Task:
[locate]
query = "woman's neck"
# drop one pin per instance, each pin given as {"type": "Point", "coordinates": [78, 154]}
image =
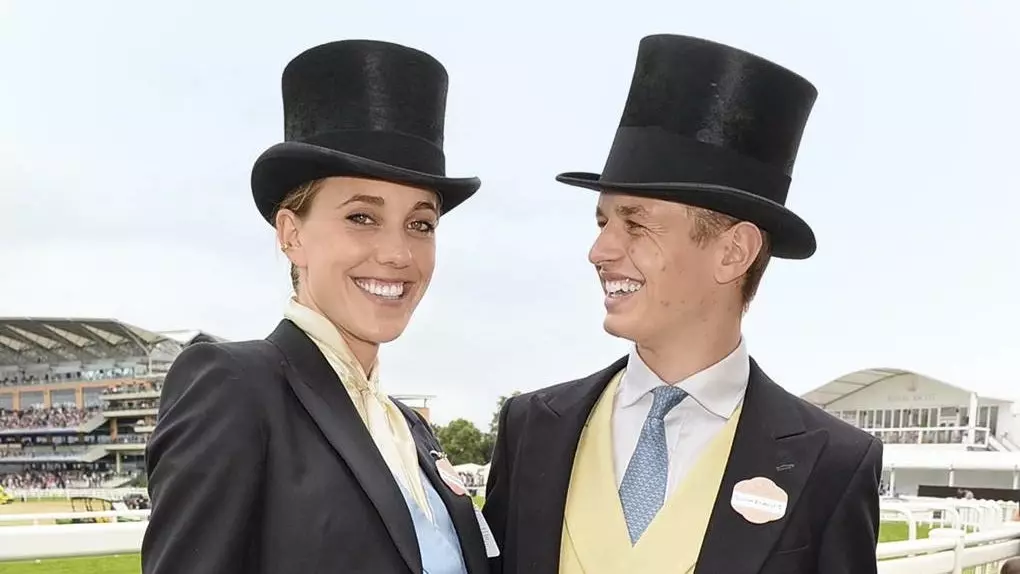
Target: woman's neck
{"type": "Point", "coordinates": [365, 352]}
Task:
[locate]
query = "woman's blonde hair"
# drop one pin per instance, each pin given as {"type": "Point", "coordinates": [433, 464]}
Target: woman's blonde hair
{"type": "Point", "coordinates": [299, 201]}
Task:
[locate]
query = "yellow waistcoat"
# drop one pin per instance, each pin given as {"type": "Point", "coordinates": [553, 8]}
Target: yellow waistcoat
{"type": "Point", "coordinates": [595, 539]}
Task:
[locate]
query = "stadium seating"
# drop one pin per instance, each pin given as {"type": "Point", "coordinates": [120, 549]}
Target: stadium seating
{"type": "Point", "coordinates": [42, 418]}
{"type": "Point", "coordinates": [55, 479]}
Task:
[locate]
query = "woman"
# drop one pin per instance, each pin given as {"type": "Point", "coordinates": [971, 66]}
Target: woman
{"type": "Point", "coordinates": [283, 456]}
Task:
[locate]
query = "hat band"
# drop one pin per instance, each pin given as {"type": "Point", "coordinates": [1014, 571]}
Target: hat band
{"type": "Point", "coordinates": [393, 148]}
{"type": "Point", "coordinates": [653, 155]}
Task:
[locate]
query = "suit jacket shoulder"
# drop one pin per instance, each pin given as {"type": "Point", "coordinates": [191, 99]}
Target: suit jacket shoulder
{"type": "Point", "coordinates": [562, 396]}
{"type": "Point", "coordinates": [846, 441]}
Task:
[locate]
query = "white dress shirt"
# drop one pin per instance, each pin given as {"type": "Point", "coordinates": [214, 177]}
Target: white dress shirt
{"type": "Point", "coordinates": [714, 395]}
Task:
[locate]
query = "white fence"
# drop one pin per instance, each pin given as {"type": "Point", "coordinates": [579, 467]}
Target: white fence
{"type": "Point", "coordinates": [68, 493]}
{"type": "Point", "coordinates": [966, 534]}
{"type": "Point", "coordinates": [68, 540]}
{"type": "Point", "coordinates": [960, 514]}
{"type": "Point", "coordinates": [978, 534]}
{"type": "Point", "coordinates": [948, 551]}
{"type": "Point", "coordinates": [47, 518]}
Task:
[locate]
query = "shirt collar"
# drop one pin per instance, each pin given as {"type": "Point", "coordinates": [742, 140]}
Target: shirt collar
{"type": "Point", "coordinates": [719, 389]}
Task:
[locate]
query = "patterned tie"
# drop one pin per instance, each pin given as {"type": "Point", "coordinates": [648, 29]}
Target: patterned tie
{"type": "Point", "coordinates": [643, 489]}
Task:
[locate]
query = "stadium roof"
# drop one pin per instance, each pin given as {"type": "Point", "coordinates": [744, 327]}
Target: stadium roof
{"type": "Point", "coordinates": [25, 340]}
{"type": "Point", "coordinates": [859, 380]}
{"type": "Point", "coordinates": [189, 336]}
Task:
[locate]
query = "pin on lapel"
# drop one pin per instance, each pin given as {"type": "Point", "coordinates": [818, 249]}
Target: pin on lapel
{"type": "Point", "coordinates": [759, 500]}
{"type": "Point", "coordinates": [448, 474]}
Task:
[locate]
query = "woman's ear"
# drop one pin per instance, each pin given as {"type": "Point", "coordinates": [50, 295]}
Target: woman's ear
{"type": "Point", "coordinates": [288, 234]}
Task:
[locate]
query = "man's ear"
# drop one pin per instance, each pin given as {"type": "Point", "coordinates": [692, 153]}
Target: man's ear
{"type": "Point", "coordinates": [739, 247]}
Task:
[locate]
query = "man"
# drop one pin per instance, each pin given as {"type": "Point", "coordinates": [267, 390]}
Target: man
{"type": "Point", "coordinates": [684, 456]}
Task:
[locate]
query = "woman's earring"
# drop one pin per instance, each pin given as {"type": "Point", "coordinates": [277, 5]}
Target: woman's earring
{"type": "Point", "coordinates": [285, 247]}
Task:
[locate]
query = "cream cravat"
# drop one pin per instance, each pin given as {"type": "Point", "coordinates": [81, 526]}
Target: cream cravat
{"type": "Point", "coordinates": [384, 420]}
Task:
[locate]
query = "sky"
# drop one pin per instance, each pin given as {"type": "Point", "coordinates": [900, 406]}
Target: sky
{"type": "Point", "coordinates": [128, 132]}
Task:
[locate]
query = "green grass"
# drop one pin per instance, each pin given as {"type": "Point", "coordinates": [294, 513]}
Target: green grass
{"type": "Point", "coordinates": [896, 531]}
{"type": "Point", "coordinates": [129, 564]}
{"type": "Point", "coordinates": [889, 532]}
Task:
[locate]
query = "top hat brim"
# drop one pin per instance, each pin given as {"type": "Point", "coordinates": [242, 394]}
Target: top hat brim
{"type": "Point", "coordinates": [285, 166]}
{"type": "Point", "coordinates": [791, 236]}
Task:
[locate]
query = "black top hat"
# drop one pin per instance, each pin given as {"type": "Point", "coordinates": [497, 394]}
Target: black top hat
{"type": "Point", "coordinates": [360, 108]}
{"type": "Point", "coordinates": [714, 127]}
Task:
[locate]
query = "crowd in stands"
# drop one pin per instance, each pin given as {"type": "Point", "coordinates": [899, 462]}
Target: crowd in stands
{"type": "Point", "coordinates": [133, 405]}
{"type": "Point", "coordinates": [15, 378]}
{"type": "Point", "coordinates": [56, 479]}
{"type": "Point", "coordinates": [49, 452]}
{"type": "Point", "coordinates": [40, 418]}
{"type": "Point", "coordinates": [134, 387]}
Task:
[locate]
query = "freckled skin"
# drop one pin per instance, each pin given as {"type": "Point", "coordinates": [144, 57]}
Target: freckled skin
{"type": "Point", "coordinates": [686, 285]}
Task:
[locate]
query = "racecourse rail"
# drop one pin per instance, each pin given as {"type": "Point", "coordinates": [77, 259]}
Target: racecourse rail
{"type": "Point", "coordinates": [964, 535]}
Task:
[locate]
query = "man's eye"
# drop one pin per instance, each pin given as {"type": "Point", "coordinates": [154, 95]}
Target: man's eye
{"type": "Point", "coordinates": [423, 227]}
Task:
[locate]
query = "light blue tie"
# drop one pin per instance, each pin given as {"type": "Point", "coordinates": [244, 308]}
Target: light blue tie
{"type": "Point", "coordinates": [643, 489]}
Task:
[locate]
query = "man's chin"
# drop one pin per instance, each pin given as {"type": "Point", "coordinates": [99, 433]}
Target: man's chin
{"type": "Point", "coordinates": [618, 328]}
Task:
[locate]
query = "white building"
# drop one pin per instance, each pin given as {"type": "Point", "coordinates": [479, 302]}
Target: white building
{"type": "Point", "coordinates": [934, 433]}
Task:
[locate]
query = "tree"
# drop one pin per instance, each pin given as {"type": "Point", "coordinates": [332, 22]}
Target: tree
{"type": "Point", "coordinates": [494, 425]}
{"type": "Point", "coordinates": [489, 440]}
{"type": "Point", "coordinates": [463, 442]}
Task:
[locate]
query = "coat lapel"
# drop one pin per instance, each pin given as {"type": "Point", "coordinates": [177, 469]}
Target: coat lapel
{"type": "Point", "coordinates": [462, 512]}
{"type": "Point", "coordinates": [461, 508]}
{"type": "Point", "coordinates": [322, 394]}
{"type": "Point", "coordinates": [553, 428]}
{"type": "Point", "coordinates": [771, 441]}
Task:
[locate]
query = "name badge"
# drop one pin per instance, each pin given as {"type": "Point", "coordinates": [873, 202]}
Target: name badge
{"type": "Point", "coordinates": [759, 500]}
{"type": "Point", "coordinates": [448, 474]}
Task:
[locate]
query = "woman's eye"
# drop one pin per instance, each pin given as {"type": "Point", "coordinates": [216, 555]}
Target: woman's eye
{"type": "Point", "coordinates": [360, 219]}
{"type": "Point", "coordinates": [631, 226]}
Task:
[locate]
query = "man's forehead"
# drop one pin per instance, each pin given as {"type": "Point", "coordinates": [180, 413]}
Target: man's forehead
{"type": "Point", "coordinates": [630, 205]}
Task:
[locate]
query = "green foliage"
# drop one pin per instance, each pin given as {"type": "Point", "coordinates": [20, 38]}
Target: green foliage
{"type": "Point", "coordinates": [464, 443]}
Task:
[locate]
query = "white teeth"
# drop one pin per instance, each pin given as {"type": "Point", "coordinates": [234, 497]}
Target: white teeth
{"type": "Point", "coordinates": [624, 286]}
{"type": "Point", "coordinates": [381, 288]}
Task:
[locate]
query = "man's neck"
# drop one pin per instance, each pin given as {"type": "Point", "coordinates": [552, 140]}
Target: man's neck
{"type": "Point", "coordinates": [681, 355]}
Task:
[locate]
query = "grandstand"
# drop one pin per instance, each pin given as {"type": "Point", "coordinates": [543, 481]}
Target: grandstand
{"type": "Point", "coordinates": [940, 439]}
{"type": "Point", "coordinates": [78, 398]}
